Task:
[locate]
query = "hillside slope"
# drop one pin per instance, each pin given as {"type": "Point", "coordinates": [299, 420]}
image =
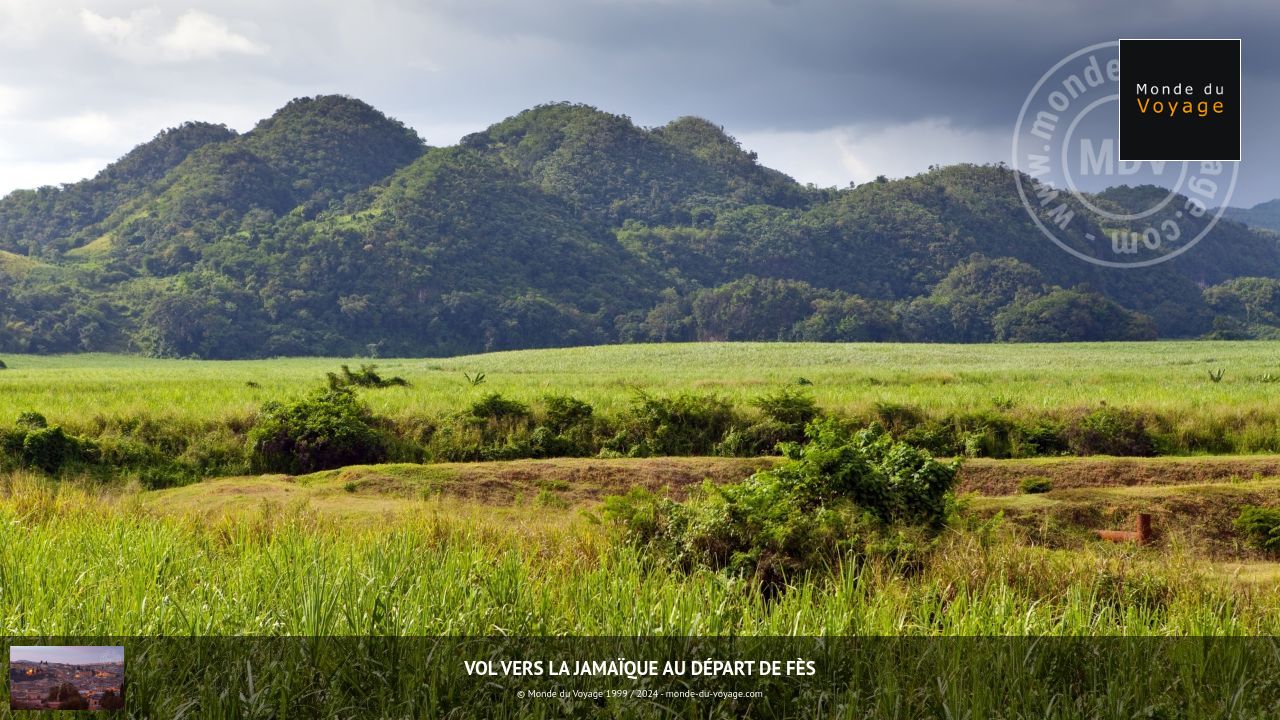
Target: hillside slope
{"type": "Point", "coordinates": [1264, 215]}
{"type": "Point", "coordinates": [330, 228]}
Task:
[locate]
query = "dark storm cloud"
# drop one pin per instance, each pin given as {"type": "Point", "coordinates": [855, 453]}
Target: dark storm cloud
{"type": "Point", "coordinates": [86, 80]}
{"type": "Point", "coordinates": [811, 65]}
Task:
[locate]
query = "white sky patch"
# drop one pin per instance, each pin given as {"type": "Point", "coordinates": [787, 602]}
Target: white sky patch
{"type": "Point", "coordinates": [112, 29]}
{"type": "Point", "coordinates": [31, 175]}
{"type": "Point", "coordinates": [24, 25]}
{"type": "Point", "coordinates": [858, 153]}
{"type": "Point", "coordinates": [200, 36]}
{"type": "Point", "coordinates": [144, 36]}
{"type": "Point", "coordinates": [442, 134]}
{"type": "Point", "coordinates": [90, 128]}
{"type": "Point", "coordinates": [12, 100]}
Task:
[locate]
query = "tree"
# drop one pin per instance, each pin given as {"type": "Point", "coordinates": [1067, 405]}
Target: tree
{"type": "Point", "coordinates": [1071, 315]}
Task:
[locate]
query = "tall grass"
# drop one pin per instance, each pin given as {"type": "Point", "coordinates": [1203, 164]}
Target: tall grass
{"type": "Point", "coordinates": [198, 411]}
{"type": "Point", "coordinates": [1165, 376]}
{"type": "Point", "coordinates": [76, 562]}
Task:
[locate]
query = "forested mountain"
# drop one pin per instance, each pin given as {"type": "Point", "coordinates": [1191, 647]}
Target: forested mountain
{"type": "Point", "coordinates": [1263, 215]}
{"type": "Point", "coordinates": [331, 229]}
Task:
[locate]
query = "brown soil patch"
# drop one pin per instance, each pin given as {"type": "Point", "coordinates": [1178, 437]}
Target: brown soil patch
{"type": "Point", "coordinates": [590, 480]}
{"type": "Point", "coordinates": [1001, 477]}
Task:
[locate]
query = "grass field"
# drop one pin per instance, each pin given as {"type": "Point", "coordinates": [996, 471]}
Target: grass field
{"type": "Point", "coordinates": [519, 547]}
{"type": "Point", "coordinates": [375, 561]}
{"type": "Point", "coordinates": [455, 579]}
{"type": "Point", "coordinates": [1171, 377]}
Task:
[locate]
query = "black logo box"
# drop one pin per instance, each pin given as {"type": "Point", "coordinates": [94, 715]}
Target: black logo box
{"type": "Point", "coordinates": [1180, 62]}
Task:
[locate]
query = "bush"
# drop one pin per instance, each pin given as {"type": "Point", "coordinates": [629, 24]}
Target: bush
{"type": "Point", "coordinates": [48, 448]}
{"type": "Point", "coordinates": [34, 443]}
{"type": "Point", "coordinates": [1035, 484]}
{"type": "Point", "coordinates": [789, 407]}
{"type": "Point", "coordinates": [541, 442]}
{"type": "Point", "coordinates": [32, 420]}
{"type": "Point", "coordinates": [366, 377]}
{"type": "Point", "coordinates": [1043, 436]}
{"type": "Point", "coordinates": [838, 493]}
{"type": "Point", "coordinates": [3, 366]}
{"type": "Point", "coordinates": [984, 434]}
{"type": "Point", "coordinates": [898, 417]}
{"type": "Point", "coordinates": [328, 429]}
{"type": "Point", "coordinates": [786, 413]}
{"type": "Point", "coordinates": [761, 438]}
{"type": "Point", "coordinates": [1109, 431]}
{"type": "Point", "coordinates": [684, 424]}
{"type": "Point", "coordinates": [154, 467]}
{"type": "Point", "coordinates": [565, 413]}
{"type": "Point", "coordinates": [495, 407]}
{"type": "Point", "coordinates": [495, 428]}
{"type": "Point", "coordinates": [11, 446]}
{"type": "Point", "coordinates": [1260, 527]}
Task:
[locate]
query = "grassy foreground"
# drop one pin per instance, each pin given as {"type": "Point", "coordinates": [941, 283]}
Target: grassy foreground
{"type": "Point", "coordinates": [75, 561]}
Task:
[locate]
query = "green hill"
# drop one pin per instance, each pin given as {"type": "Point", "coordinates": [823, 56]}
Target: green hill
{"type": "Point", "coordinates": [330, 228]}
{"type": "Point", "coordinates": [31, 220]}
{"type": "Point", "coordinates": [1263, 215]}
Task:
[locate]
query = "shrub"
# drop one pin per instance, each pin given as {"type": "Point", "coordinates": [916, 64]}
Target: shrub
{"type": "Point", "coordinates": [760, 438]}
{"type": "Point", "coordinates": [32, 420]}
{"type": "Point", "coordinates": [1035, 484]}
{"type": "Point", "coordinates": [496, 428]}
{"type": "Point", "coordinates": [1109, 431]}
{"type": "Point", "coordinates": [898, 417]}
{"type": "Point", "coordinates": [3, 366]}
{"type": "Point", "coordinates": [11, 446]}
{"type": "Point", "coordinates": [366, 376]}
{"type": "Point", "coordinates": [495, 407]}
{"type": "Point", "coordinates": [1043, 436]}
{"type": "Point", "coordinates": [984, 434]}
{"type": "Point", "coordinates": [837, 493]}
{"type": "Point", "coordinates": [492, 428]}
{"type": "Point", "coordinates": [1260, 527]}
{"type": "Point", "coordinates": [565, 413]}
{"type": "Point", "coordinates": [328, 429]}
{"type": "Point", "coordinates": [146, 461]}
{"type": "Point", "coordinates": [936, 436]}
{"type": "Point", "coordinates": [49, 448]}
{"type": "Point", "coordinates": [684, 424]}
{"type": "Point", "coordinates": [788, 406]}
{"type": "Point", "coordinates": [35, 443]}
{"type": "Point", "coordinates": [785, 415]}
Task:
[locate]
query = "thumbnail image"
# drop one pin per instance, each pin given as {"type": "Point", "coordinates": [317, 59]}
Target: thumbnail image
{"type": "Point", "coordinates": [66, 677]}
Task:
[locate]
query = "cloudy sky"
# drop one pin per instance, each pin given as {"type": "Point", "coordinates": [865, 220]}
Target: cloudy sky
{"type": "Point", "coordinates": [829, 91]}
{"type": "Point", "coordinates": [71, 654]}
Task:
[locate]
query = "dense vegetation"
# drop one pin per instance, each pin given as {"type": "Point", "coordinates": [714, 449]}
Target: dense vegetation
{"type": "Point", "coordinates": [166, 422]}
{"type": "Point", "coordinates": [331, 229]}
{"type": "Point", "coordinates": [839, 494]}
{"type": "Point", "coordinates": [1263, 215]}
